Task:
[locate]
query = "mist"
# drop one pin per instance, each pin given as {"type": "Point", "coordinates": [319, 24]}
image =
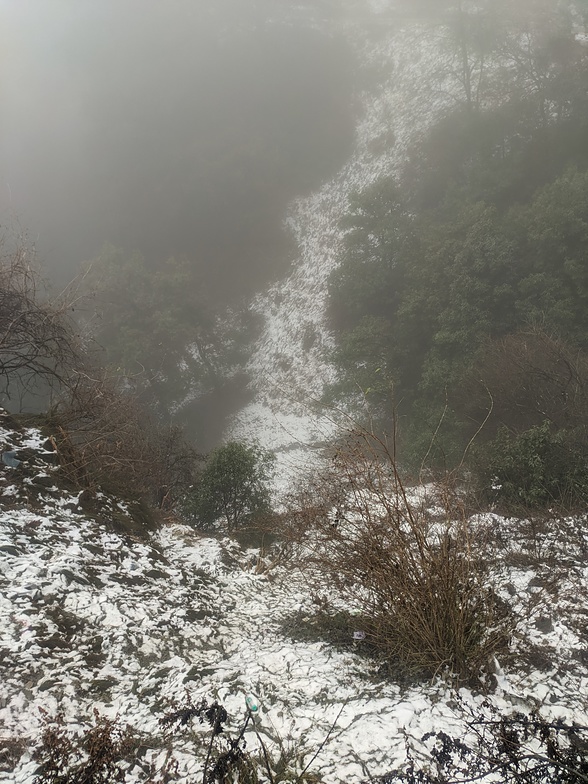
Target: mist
{"type": "Point", "coordinates": [177, 128]}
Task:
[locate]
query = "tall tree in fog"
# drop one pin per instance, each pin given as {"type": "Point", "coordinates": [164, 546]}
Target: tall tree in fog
{"type": "Point", "coordinates": [157, 329]}
{"type": "Point", "coordinates": [483, 234]}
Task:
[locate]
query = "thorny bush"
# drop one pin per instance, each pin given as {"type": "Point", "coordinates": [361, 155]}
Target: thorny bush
{"type": "Point", "coordinates": [110, 753]}
{"type": "Point", "coordinates": [97, 758]}
{"type": "Point", "coordinates": [106, 437]}
{"type": "Point", "coordinates": [413, 575]}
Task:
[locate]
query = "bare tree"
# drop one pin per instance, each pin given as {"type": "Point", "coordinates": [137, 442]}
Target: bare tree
{"type": "Point", "coordinates": [542, 61]}
{"type": "Point", "coordinates": [38, 344]}
{"type": "Point", "coordinates": [102, 435]}
{"type": "Point", "coordinates": [472, 39]}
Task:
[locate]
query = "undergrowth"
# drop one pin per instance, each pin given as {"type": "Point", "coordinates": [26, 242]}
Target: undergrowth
{"type": "Point", "coordinates": [109, 752]}
{"type": "Point", "coordinates": [514, 749]}
{"type": "Point", "coordinates": [414, 576]}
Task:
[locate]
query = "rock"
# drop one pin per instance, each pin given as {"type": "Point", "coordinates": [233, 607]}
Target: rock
{"type": "Point", "coordinates": [48, 684]}
{"type": "Point", "coordinates": [197, 673]}
{"type": "Point", "coordinates": [42, 480]}
{"type": "Point", "coordinates": [156, 574]}
{"type": "Point", "coordinates": [102, 685]}
{"type": "Point", "coordinates": [71, 577]}
{"type": "Point", "coordinates": [10, 549]}
{"type": "Point", "coordinates": [544, 624]}
{"type": "Point", "coordinates": [53, 642]}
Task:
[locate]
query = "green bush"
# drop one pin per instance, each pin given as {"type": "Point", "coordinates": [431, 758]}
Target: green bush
{"type": "Point", "coordinates": [234, 486]}
{"type": "Point", "coordinates": [537, 467]}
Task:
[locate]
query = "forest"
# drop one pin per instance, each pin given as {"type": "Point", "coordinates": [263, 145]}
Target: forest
{"type": "Point", "coordinates": [459, 305]}
{"type": "Point", "coordinates": [458, 302]}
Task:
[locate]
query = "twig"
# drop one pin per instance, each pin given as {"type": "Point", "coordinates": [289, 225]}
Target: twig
{"type": "Point", "coordinates": [263, 748]}
{"type": "Point", "coordinates": [320, 748]}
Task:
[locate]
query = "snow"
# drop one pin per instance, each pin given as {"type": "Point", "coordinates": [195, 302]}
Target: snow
{"type": "Point", "coordinates": [290, 367]}
{"type": "Point", "coordinates": [97, 619]}
{"type": "Point", "coordinates": [92, 618]}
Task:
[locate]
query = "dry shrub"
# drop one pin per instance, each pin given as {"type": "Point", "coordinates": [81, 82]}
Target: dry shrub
{"type": "Point", "coordinates": [108, 752]}
{"type": "Point", "coordinates": [412, 573]}
{"type": "Point", "coordinates": [531, 391]}
{"type": "Point", "coordinates": [98, 759]}
{"type": "Point", "coordinates": [526, 379]}
{"type": "Point", "coordinates": [515, 748]}
{"type": "Point", "coordinates": [107, 438]}
{"type": "Point", "coordinates": [103, 436]}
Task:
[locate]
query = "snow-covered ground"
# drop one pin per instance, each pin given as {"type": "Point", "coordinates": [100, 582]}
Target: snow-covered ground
{"type": "Point", "coordinates": [93, 618]}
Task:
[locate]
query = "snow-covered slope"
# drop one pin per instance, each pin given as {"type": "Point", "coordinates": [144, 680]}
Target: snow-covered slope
{"type": "Point", "coordinates": [95, 618]}
{"type": "Point", "coordinates": [290, 366]}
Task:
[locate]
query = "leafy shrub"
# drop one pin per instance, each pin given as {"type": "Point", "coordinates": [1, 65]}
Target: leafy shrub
{"type": "Point", "coordinates": [234, 486]}
{"type": "Point", "coordinates": [537, 467]}
{"type": "Point", "coordinates": [422, 595]}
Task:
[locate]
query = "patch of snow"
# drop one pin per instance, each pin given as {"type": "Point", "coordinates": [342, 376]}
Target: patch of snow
{"type": "Point", "coordinates": [290, 367]}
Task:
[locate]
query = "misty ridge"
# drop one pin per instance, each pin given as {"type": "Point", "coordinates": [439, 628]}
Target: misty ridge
{"type": "Point", "coordinates": [158, 152]}
{"type": "Point", "coordinates": [179, 132]}
{"type": "Point", "coordinates": [172, 157]}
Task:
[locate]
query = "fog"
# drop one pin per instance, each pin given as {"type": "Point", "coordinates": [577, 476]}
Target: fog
{"type": "Point", "coordinates": [172, 128]}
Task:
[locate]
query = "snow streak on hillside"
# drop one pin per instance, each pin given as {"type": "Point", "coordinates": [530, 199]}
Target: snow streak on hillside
{"type": "Point", "coordinates": [289, 369]}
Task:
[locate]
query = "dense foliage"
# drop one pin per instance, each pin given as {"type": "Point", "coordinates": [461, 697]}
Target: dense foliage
{"type": "Point", "coordinates": [159, 329]}
{"type": "Point", "coordinates": [483, 235]}
{"type": "Point", "coordinates": [234, 486]}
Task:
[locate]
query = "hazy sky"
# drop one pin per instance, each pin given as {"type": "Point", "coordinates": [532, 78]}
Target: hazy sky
{"type": "Point", "coordinates": [172, 127]}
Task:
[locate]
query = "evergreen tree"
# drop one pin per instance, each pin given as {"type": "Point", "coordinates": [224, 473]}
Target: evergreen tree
{"type": "Point", "coordinates": [234, 486]}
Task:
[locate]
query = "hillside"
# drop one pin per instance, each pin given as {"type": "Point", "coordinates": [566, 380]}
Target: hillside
{"type": "Point", "coordinates": [443, 264]}
{"type": "Point", "coordinates": [95, 618]}
{"type": "Point", "coordinates": [456, 226]}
